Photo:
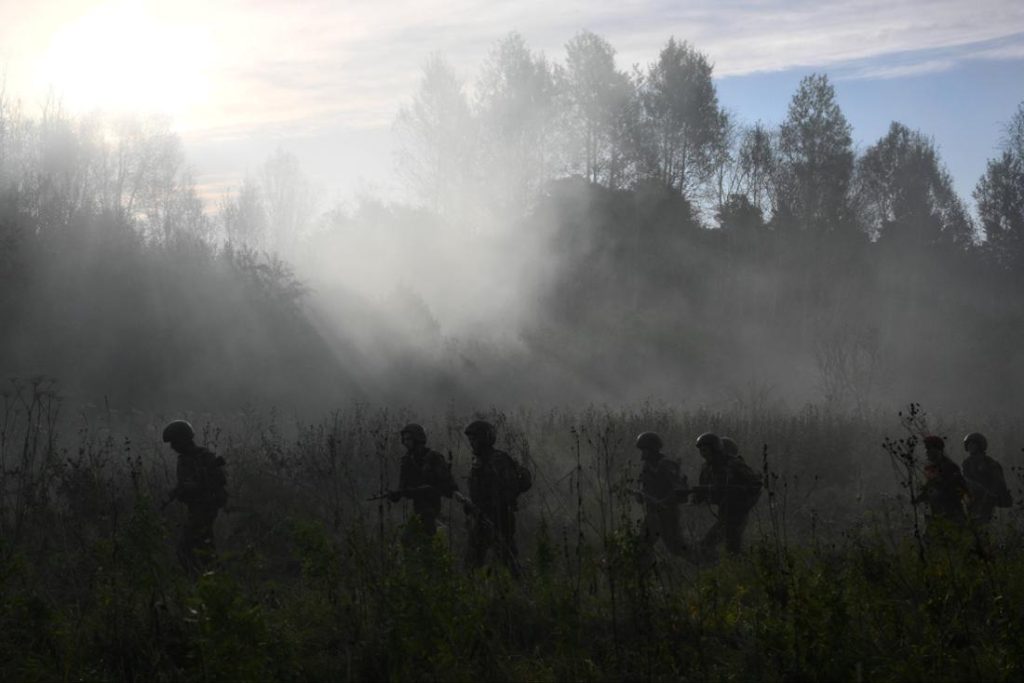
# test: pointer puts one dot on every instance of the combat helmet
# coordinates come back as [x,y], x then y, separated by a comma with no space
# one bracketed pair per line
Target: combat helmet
[978,438]
[483,429]
[418,434]
[178,431]
[649,441]
[729,446]
[710,440]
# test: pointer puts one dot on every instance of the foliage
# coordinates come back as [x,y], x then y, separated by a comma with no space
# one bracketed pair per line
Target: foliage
[828,588]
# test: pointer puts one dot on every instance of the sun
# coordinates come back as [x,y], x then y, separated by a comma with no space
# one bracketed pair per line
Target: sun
[120,58]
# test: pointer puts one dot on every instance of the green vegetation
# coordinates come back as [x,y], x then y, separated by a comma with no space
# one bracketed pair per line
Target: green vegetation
[312,583]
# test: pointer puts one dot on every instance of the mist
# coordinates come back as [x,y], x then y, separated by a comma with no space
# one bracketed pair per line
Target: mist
[571,233]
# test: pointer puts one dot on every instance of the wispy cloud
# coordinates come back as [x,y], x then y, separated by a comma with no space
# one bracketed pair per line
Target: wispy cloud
[921,68]
[276,63]
[923,62]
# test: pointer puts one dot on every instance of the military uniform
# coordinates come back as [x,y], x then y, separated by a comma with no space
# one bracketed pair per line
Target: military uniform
[660,481]
[201,488]
[943,491]
[494,487]
[424,477]
[734,487]
[987,486]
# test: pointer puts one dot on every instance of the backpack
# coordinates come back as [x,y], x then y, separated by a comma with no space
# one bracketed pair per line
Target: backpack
[216,481]
[524,478]
[1004,499]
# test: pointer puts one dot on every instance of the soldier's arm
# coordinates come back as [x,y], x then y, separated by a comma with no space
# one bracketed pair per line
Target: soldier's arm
[444,482]
[406,487]
[701,492]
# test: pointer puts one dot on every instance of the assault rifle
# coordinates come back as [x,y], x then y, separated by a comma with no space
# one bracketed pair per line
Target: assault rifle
[472,509]
[682,494]
[388,494]
[678,496]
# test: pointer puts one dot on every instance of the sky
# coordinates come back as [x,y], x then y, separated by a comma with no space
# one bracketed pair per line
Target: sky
[325,79]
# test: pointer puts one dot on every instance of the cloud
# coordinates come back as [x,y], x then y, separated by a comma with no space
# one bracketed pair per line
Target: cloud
[276,64]
[902,70]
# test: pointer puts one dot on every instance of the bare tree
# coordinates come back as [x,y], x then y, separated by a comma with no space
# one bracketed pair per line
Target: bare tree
[437,139]
[517,107]
[601,112]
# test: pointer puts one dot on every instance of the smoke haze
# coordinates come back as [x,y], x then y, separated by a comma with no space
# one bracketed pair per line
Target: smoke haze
[574,233]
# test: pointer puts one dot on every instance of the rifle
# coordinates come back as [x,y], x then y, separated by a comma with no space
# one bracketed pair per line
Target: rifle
[472,509]
[678,495]
[388,494]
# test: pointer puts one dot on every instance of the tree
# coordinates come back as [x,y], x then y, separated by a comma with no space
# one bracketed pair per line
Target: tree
[815,159]
[244,217]
[906,194]
[601,112]
[516,105]
[686,125]
[1000,198]
[738,213]
[756,162]
[437,140]
[289,200]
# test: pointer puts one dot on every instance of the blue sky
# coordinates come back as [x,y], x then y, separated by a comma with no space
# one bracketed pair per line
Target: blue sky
[325,79]
[962,108]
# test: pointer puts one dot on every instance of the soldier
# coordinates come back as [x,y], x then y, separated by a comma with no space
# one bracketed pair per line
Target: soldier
[943,490]
[202,487]
[495,482]
[985,481]
[425,477]
[729,483]
[661,490]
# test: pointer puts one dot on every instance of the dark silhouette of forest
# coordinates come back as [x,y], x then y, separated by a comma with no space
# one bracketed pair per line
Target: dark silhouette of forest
[662,247]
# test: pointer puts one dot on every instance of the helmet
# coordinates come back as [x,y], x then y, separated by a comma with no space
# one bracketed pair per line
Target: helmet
[711,440]
[978,438]
[649,441]
[418,434]
[178,432]
[935,442]
[729,446]
[483,429]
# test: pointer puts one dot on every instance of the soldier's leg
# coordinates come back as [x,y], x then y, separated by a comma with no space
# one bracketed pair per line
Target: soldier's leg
[477,542]
[712,538]
[196,547]
[671,533]
[206,552]
[735,524]
[418,530]
[507,546]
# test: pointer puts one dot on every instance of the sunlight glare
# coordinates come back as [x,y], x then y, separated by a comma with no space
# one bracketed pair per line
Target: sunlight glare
[120,58]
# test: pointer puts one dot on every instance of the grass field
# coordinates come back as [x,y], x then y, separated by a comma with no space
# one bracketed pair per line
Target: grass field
[312,583]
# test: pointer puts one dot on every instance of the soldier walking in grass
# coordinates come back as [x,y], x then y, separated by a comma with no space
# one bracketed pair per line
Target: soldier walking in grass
[730,484]
[661,491]
[985,481]
[943,491]
[425,476]
[496,480]
[202,487]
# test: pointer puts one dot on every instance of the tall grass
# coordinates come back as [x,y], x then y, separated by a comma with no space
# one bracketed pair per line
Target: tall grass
[312,583]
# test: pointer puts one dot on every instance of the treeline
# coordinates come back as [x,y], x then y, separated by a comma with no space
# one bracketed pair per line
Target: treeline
[115,281]
[696,250]
[526,120]
[659,247]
